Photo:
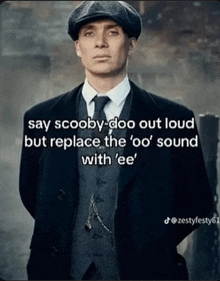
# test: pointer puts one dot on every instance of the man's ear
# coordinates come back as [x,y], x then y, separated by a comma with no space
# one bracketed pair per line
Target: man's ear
[77,48]
[132,45]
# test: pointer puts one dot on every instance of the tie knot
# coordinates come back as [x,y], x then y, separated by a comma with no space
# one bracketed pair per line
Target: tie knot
[100,102]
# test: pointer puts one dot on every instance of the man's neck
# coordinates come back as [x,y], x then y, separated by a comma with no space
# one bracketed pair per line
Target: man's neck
[103,84]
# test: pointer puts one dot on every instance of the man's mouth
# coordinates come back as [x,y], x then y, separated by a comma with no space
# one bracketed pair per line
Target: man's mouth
[101,57]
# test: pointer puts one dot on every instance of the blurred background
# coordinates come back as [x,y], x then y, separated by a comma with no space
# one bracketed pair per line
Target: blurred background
[177,57]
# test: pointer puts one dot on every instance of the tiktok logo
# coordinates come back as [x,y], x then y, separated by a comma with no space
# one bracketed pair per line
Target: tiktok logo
[166,221]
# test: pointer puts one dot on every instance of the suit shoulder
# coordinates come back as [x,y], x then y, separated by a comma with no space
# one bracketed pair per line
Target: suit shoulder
[43,109]
[171,107]
[161,105]
[45,105]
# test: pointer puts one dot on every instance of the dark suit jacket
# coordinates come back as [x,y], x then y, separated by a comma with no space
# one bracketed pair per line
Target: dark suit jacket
[163,182]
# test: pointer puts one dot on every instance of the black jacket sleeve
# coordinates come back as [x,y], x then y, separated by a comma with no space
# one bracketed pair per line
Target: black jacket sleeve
[29,166]
[193,197]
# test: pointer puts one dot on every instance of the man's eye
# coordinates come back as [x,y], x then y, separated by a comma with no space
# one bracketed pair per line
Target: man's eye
[113,32]
[88,33]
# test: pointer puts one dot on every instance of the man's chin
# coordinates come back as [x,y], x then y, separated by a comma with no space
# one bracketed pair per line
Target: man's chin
[106,72]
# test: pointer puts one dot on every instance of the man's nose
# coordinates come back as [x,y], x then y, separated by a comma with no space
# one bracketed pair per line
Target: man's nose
[101,41]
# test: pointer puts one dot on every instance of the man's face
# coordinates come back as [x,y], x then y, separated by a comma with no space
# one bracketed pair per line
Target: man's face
[104,48]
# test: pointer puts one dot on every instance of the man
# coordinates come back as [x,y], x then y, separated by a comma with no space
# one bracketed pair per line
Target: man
[106,221]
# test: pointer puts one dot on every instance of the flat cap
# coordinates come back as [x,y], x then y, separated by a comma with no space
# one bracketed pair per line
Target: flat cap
[119,11]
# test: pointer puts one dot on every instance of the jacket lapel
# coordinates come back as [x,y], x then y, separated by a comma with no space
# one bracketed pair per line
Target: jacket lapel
[66,159]
[143,108]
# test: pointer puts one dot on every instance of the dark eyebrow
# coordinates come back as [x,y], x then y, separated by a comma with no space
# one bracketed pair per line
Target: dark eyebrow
[87,26]
[112,25]
[91,26]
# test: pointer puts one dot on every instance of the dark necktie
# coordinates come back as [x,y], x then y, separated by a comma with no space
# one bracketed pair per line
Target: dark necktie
[99,114]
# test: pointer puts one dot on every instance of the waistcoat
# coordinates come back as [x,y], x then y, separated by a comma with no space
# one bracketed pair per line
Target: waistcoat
[101,182]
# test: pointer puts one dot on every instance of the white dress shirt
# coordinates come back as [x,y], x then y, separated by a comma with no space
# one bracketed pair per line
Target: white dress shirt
[117,97]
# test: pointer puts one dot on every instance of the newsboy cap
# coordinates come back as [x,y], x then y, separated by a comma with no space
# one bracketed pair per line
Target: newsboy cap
[119,11]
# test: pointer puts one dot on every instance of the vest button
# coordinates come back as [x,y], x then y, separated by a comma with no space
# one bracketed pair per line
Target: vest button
[61,195]
[99,200]
[97,255]
[54,251]
[96,236]
[99,181]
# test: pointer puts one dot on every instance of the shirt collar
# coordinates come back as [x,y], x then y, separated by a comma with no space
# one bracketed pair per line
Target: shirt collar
[117,95]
